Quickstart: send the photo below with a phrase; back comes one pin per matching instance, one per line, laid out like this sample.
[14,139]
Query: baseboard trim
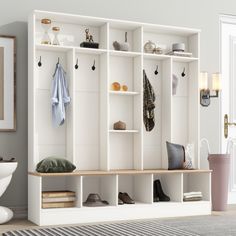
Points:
[20,212]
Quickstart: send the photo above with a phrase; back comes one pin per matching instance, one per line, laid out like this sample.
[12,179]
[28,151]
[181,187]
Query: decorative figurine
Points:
[56,30]
[46,25]
[87,35]
[89,43]
[91,38]
[122,46]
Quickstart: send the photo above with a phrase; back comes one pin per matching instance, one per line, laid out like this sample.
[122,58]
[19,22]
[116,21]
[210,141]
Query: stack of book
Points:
[58,199]
[180,53]
[192,196]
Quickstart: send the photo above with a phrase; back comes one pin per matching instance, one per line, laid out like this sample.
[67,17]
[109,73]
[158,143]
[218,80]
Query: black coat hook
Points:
[156,71]
[58,60]
[40,63]
[76,65]
[183,73]
[93,67]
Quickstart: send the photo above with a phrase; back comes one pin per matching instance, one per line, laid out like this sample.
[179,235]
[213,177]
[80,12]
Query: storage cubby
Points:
[138,187]
[72,33]
[164,38]
[110,161]
[180,106]
[64,183]
[49,139]
[198,182]
[87,89]
[154,147]
[171,185]
[117,33]
[105,186]
[184,116]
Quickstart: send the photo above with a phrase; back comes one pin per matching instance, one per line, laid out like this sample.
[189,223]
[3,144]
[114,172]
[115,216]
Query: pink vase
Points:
[220,166]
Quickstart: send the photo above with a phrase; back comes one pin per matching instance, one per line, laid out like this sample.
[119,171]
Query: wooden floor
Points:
[25,224]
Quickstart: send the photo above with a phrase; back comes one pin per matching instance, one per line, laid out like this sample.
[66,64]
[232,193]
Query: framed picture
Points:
[7,83]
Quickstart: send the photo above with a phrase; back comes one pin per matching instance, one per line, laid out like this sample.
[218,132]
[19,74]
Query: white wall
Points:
[203,14]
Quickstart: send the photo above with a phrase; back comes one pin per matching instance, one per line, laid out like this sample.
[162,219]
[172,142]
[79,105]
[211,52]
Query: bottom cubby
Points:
[171,186]
[138,187]
[198,182]
[103,187]
[58,192]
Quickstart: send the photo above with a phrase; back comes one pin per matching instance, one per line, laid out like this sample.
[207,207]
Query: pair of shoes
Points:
[124,198]
[158,194]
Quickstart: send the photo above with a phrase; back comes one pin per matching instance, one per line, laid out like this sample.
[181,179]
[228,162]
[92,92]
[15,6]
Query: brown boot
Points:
[126,198]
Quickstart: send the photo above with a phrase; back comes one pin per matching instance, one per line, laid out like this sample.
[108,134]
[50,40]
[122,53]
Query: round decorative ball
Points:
[115,86]
[124,87]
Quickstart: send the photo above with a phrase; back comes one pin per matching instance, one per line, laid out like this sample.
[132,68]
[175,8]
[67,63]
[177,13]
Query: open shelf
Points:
[124,53]
[56,48]
[161,57]
[59,48]
[124,93]
[123,131]
[119,172]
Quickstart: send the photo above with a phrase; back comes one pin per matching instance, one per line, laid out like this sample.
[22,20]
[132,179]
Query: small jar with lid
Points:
[56,31]
[46,25]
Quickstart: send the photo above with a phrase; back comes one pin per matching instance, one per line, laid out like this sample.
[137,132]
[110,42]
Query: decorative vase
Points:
[56,31]
[46,25]
[149,47]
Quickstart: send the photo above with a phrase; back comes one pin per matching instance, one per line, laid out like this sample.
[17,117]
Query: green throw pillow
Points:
[55,165]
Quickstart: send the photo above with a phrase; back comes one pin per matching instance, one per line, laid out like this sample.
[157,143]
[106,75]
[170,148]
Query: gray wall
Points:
[201,14]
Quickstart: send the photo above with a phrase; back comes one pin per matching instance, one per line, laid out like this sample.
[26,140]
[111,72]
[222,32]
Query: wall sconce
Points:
[205,93]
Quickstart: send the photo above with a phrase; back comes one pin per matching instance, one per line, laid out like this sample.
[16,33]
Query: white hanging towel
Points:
[59,96]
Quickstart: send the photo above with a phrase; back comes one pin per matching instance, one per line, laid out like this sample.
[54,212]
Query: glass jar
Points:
[46,25]
[56,31]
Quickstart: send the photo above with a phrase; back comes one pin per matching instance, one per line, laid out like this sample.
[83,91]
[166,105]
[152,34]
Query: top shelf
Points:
[115,23]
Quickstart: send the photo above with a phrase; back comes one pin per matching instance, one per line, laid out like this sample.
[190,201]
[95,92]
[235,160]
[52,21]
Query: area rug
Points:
[138,228]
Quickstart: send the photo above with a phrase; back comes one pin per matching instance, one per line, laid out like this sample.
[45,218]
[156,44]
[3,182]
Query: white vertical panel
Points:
[34,198]
[138,113]
[166,108]
[74,183]
[104,112]
[193,109]
[194,44]
[32,157]
[70,139]
[143,188]
[138,40]
[104,36]
[109,189]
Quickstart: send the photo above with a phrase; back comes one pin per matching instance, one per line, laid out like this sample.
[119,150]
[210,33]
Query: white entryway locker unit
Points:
[109,161]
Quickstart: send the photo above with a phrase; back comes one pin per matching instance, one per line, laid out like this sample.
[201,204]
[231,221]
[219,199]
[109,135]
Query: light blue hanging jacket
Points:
[60,96]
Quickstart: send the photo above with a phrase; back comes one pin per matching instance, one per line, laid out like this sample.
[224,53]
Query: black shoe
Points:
[155,196]
[160,193]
